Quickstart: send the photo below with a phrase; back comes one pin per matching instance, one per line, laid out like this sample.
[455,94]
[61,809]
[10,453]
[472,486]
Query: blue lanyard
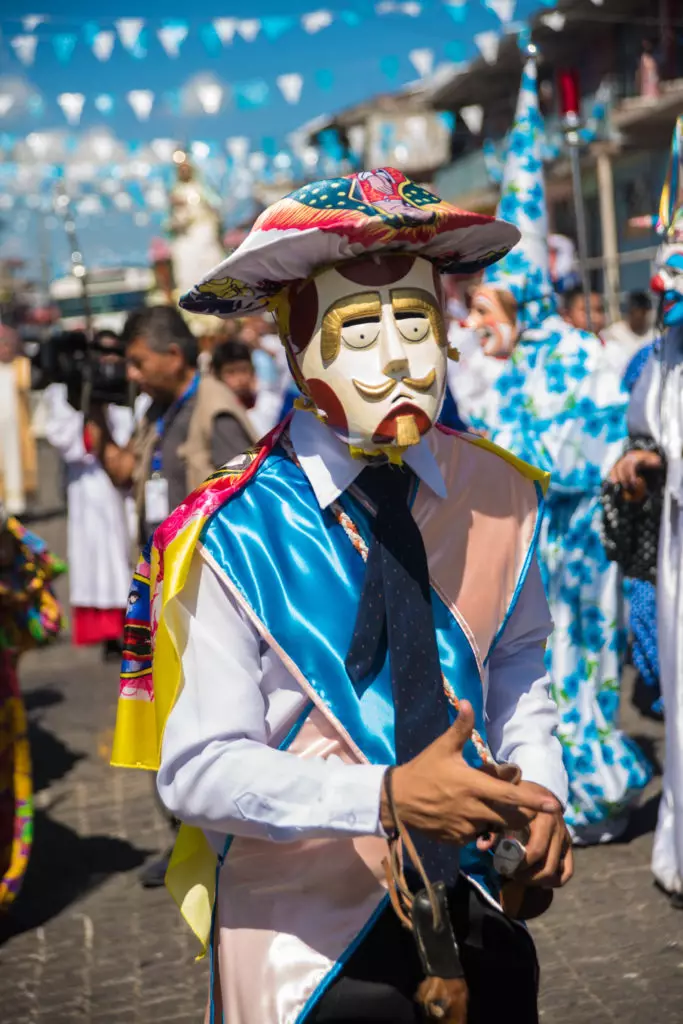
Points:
[170,414]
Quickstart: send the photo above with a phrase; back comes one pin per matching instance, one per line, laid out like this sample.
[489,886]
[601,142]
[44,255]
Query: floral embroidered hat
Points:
[525,272]
[327,222]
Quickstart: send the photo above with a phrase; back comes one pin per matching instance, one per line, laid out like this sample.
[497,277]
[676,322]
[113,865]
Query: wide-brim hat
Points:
[326,222]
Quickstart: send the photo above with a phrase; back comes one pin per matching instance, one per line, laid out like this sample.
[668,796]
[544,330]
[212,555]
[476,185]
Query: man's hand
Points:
[549,861]
[439,794]
[628,472]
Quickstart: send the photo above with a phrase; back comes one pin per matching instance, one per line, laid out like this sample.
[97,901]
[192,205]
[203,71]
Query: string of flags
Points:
[134,35]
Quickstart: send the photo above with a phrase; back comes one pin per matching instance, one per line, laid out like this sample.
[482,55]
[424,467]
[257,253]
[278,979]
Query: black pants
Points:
[379,981]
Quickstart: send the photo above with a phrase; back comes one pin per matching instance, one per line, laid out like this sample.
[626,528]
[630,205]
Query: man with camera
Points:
[192,427]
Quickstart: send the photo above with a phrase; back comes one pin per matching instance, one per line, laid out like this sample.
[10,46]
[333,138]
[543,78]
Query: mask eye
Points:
[412,326]
[360,333]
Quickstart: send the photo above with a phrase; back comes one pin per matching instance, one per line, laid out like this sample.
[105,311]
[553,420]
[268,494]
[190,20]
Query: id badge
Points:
[156,500]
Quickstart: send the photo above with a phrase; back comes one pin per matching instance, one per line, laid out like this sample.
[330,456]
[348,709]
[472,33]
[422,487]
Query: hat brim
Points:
[277,252]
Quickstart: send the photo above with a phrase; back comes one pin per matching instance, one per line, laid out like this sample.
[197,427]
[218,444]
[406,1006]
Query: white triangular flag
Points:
[257,161]
[104,103]
[31,22]
[129,30]
[103,147]
[225,29]
[357,139]
[315,21]
[210,96]
[25,48]
[123,201]
[103,44]
[6,103]
[72,105]
[200,150]
[290,86]
[412,9]
[598,3]
[505,9]
[142,101]
[238,147]
[554,20]
[172,37]
[164,149]
[90,205]
[488,43]
[473,117]
[249,28]
[422,60]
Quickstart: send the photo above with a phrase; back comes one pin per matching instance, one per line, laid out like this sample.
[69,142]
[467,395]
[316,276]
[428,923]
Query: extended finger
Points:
[520,796]
[567,866]
[539,839]
[547,872]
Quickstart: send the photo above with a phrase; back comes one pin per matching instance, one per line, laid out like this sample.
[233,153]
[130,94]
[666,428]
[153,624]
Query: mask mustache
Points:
[377,392]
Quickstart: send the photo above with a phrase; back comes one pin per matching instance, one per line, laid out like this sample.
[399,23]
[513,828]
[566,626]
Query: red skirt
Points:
[95,625]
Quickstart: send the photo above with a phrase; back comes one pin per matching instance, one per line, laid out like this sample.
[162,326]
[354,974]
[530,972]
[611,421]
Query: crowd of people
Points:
[262,440]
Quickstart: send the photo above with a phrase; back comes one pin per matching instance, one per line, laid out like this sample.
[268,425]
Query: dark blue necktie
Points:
[395,614]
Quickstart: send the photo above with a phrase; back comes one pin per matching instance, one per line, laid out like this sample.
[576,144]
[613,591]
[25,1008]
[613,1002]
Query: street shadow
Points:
[51,759]
[64,867]
[642,821]
[42,697]
[648,745]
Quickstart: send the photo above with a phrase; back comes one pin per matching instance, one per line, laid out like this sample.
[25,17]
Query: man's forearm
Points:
[118,463]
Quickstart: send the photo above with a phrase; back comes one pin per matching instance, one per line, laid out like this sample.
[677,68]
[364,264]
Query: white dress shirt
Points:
[217,770]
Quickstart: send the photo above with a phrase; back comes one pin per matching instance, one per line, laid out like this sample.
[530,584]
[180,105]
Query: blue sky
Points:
[350,55]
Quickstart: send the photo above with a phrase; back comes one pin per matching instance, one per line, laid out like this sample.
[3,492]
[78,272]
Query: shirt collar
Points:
[331,469]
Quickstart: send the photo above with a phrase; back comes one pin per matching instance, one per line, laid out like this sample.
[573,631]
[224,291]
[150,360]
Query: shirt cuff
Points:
[545,768]
[352,799]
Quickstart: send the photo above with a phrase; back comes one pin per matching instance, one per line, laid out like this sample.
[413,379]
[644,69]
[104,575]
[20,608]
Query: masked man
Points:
[319,611]
[656,411]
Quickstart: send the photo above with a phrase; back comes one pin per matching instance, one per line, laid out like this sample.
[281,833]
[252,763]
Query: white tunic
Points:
[657,410]
[98,527]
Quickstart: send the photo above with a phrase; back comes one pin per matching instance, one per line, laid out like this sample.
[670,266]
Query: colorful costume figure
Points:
[258,677]
[656,410]
[29,617]
[557,403]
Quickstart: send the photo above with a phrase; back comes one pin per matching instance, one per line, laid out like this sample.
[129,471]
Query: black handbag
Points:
[630,529]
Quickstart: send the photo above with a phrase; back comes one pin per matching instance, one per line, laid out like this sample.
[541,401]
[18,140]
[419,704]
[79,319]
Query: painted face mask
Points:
[668,282]
[368,343]
[493,316]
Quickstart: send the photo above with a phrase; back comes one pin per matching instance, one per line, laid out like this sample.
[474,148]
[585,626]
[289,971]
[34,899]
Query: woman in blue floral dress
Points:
[559,405]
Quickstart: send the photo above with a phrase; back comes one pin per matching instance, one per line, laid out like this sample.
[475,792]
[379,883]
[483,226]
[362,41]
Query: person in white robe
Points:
[99,527]
[656,410]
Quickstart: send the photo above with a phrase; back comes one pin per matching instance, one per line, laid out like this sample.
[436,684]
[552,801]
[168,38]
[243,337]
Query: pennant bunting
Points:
[290,86]
[410,7]
[141,101]
[72,105]
[249,28]
[35,104]
[249,95]
[210,96]
[164,149]
[238,147]
[103,44]
[172,35]
[488,44]
[200,150]
[6,103]
[316,21]
[455,50]
[457,9]
[505,9]
[104,103]
[225,29]
[31,22]
[390,67]
[63,45]
[350,18]
[276,26]
[130,34]
[423,61]
[324,79]
[473,116]
[555,20]
[257,161]
[209,36]
[447,118]
[25,49]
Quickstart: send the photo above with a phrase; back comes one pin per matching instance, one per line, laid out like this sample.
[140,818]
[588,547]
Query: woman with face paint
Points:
[656,411]
[555,401]
[340,636]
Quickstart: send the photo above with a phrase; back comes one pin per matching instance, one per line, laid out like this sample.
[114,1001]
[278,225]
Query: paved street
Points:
[86,943]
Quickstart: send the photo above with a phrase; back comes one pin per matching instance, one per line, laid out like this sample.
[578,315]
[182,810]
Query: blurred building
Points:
[626,142]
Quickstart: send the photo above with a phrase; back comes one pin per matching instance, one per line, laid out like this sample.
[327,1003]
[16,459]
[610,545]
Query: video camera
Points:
[94,371]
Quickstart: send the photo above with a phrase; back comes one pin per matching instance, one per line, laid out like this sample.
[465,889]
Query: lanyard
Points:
[169,415]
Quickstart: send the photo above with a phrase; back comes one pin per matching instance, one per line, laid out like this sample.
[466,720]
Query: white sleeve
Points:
[217,771]
[522,717]
[643,409]
[63,424]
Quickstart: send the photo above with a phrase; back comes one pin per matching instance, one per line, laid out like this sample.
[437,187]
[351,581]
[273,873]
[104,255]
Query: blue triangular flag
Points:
[455,50]
[390,66]
[351,18]
[90,30]
[458,9]
[277,25]
[254,93]
[64,44]
[209,37]
[324,79]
